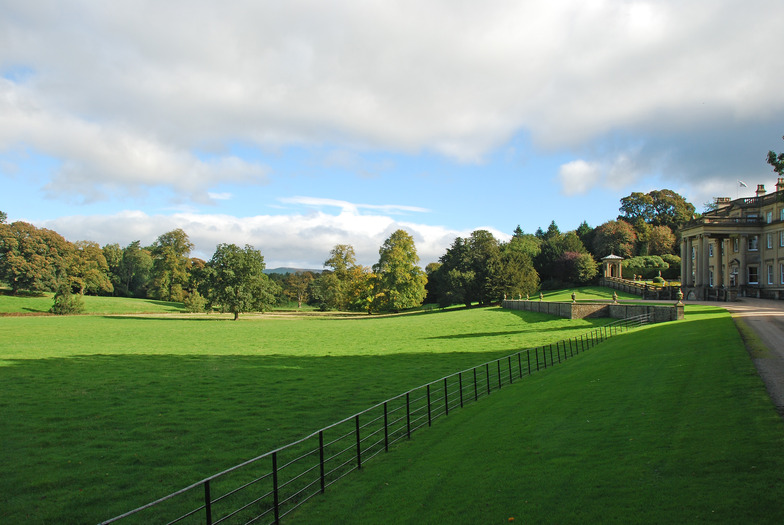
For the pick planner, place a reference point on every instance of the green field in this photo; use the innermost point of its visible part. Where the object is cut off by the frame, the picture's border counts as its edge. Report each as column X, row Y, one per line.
column 103, row 413
column 41, row 303
column 668, row 424
column 100, row 414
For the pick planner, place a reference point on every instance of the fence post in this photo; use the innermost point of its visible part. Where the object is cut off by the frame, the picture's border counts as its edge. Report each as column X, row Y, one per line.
column 487, row 375
column 510, row 368
column 499, row 373
column 275, row 496
column 551, row 356
column 558, row 351
column 386, row 429
column 476, row 389
column 207, row 502
column 520, row 363
column 321, row 460
column 536, row 352
column 359, row 443
column 528, row 354
column 446, row 399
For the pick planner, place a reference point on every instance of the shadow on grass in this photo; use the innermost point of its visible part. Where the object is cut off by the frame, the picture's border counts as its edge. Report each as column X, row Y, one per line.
column 89, row 437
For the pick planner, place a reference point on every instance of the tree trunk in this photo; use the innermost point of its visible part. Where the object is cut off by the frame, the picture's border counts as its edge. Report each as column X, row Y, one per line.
column 236, row 315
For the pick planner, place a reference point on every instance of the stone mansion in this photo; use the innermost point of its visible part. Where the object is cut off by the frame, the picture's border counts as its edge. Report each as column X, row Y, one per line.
column 736, row 249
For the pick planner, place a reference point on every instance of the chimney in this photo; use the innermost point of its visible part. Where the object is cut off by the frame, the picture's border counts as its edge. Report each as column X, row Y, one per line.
column 760, row 190
column 780, row 184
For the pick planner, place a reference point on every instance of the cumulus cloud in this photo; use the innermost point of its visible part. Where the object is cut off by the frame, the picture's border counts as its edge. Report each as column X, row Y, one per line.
column 124, row 92
column 293, row 240
column 578, row 176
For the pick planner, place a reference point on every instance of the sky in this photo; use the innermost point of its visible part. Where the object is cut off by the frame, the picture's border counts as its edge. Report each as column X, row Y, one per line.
column 295, row 126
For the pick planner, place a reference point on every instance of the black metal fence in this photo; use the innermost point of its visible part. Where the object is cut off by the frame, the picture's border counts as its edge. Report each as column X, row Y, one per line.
column 268, row 487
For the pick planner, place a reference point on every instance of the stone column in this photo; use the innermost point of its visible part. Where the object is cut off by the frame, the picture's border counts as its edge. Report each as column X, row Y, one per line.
column 684, row 266
column 705, row 260
column 687, row 261
column 719, row 263
column 699, row 256
column 743, row 244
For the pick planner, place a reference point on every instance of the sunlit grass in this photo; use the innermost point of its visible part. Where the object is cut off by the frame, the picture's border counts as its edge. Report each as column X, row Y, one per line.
column 669, row 424
column 100, row 414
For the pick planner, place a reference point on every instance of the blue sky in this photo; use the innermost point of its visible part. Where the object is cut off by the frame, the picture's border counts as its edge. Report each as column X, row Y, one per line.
column 297, row 126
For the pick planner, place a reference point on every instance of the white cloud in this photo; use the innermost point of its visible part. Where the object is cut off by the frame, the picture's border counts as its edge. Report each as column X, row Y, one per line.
column 298, row 240
column 123, row 93
column 578, row 177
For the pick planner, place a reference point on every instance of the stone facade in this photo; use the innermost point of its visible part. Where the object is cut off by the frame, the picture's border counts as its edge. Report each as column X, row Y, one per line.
column 737, row 249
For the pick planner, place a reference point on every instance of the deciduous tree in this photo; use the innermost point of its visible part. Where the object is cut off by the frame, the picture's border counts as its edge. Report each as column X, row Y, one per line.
column 296, row 285
column 777, row 162
column 171, row 264
column 237, row 283
column 33, row 259
column 657, row 208
column 401, row 282
column 615, row 237
column 89, row 272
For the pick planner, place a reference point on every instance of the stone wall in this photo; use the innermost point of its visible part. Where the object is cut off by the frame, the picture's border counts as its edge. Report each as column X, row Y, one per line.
column 660, row 313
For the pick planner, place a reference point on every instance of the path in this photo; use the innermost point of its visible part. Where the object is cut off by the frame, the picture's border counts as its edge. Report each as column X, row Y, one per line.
column 766, row 318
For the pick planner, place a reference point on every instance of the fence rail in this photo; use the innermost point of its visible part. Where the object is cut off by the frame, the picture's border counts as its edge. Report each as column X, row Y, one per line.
column 268, row 487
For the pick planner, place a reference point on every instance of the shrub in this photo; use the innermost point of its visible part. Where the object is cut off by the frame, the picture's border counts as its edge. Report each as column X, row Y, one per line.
column 66, row 303
column 194, row 303
column 648, row 266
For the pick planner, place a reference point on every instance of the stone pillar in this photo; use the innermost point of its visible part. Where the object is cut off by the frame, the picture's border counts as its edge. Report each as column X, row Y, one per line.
column 684, row 248
column 743, row 244
column 699, row 256
column 687, row 262
column 718, row 264
column 705, row 260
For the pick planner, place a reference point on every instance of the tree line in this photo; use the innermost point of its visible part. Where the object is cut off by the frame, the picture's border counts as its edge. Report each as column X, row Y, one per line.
column 475, row 269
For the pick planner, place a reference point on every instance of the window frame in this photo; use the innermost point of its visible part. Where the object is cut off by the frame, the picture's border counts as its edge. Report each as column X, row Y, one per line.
column 756, row 274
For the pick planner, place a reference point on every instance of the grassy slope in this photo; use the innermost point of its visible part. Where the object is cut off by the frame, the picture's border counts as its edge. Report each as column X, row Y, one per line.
column 33, row 304
column 668, row 425
column 100, row 414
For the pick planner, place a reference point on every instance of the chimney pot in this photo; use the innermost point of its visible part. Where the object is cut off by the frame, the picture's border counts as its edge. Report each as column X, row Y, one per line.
column 760, row 190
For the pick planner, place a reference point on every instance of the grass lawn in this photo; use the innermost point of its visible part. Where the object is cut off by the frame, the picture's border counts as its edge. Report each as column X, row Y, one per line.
column 668, row 424
column 37, row 304
column 103, row 413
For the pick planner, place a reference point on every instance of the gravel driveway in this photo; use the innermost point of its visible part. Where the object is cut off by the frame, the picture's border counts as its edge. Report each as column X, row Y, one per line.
column 766, row 319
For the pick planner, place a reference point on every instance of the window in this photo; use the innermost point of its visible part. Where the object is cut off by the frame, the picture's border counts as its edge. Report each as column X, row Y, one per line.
column 710, row 250
column 769, row 217
column 735, row 243
column 781, row 214
column 781, row 272
column 770, row 240
column 781, row 238
column 710, row 278
column 753, row 275
column 770, row 274
column 753, row 243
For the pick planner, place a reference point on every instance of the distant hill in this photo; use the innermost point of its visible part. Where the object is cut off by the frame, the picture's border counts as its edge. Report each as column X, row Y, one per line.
column 284, row 270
